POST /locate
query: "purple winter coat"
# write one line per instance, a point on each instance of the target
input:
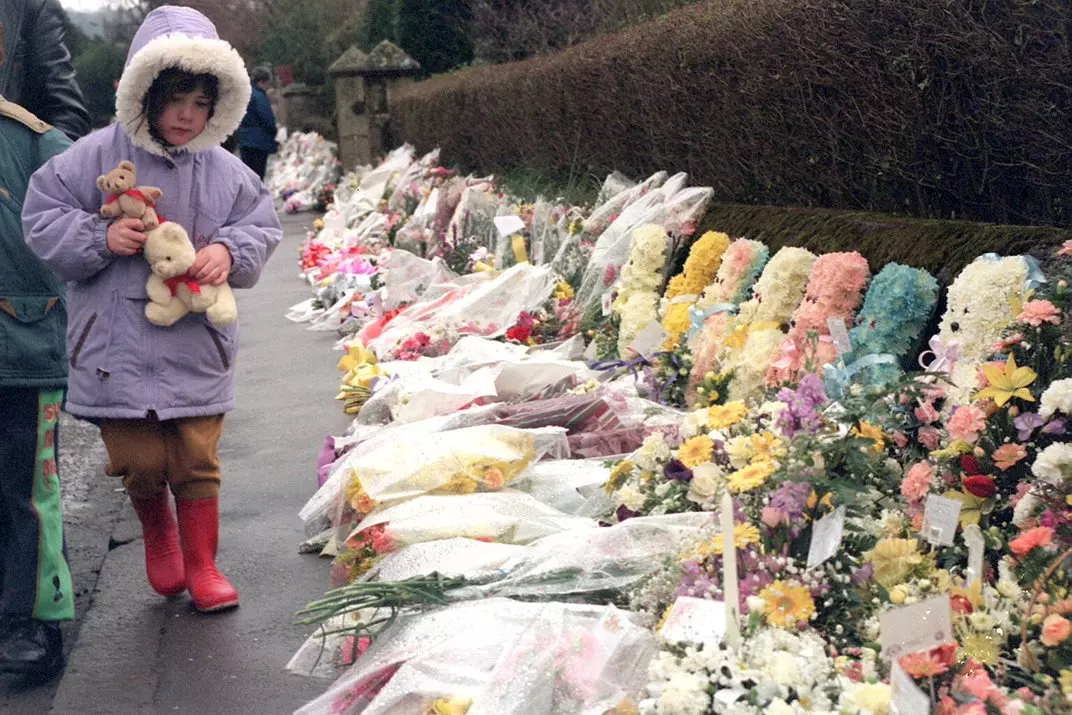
(121, 365)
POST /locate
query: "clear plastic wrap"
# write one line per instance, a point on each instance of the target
(487, 308)
(608, 558)
(418, 232)
(505, 517)
(447, 557)
(504, 656)
(407, 277)
(612, 208)
(564, 484)
(374, 185)
(487, 457)
(615, 183)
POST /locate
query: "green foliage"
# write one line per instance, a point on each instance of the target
(294, 35)
(97, 69)
(436, 33)
(379, 22)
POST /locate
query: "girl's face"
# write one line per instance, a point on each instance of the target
(184, 116)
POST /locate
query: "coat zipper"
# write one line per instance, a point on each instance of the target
(82, 340)
(219, 348)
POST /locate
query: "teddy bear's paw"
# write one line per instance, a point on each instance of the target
(163, 315)
(221, 315)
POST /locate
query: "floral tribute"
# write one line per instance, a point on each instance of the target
(712, 314)
(835, 291)
(759, 329)
(704, 262)
(638, 288)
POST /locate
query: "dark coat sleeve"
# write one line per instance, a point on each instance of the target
(264, 113)
(50, 88)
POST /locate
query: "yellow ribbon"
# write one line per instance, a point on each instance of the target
(739, 336)
(520, 254)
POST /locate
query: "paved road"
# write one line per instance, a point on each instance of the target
(138, 653)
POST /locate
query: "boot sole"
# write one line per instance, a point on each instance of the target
(218, 607)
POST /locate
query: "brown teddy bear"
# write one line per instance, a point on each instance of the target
(126, 199)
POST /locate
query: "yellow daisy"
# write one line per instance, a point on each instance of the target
(786, 604)
(696, 451)
(727, 415)
(750, 477)
(866, 430)
(1007, 383)
(618, 475)
(743, 535)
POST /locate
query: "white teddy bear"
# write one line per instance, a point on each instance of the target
(172, 293)
(981, 303)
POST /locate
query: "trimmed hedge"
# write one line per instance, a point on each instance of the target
(941, 247)
(934, 108)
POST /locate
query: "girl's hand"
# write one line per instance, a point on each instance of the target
(126, 236)
(213, 265)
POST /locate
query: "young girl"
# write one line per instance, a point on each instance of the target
(159, 394)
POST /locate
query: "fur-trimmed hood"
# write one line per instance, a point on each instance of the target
(181, 37)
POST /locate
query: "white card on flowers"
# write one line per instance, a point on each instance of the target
(918, 627)
(695, 620)
(826, 537)
(508, 225)
(649, 339)
(907, 698)
(840, 334)
(940, 519)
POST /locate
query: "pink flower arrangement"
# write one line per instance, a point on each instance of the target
(917, 483)
(966, 423)
(835, 290)
(1037, 312)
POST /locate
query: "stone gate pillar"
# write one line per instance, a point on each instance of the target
(364, 85)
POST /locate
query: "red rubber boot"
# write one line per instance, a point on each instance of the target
(199, 523)
(163, 555)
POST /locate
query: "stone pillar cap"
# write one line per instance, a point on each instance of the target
(386, 58)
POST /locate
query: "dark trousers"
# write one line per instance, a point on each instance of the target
(36, 577)
(255, 159)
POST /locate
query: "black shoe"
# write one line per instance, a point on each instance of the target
(31, 649)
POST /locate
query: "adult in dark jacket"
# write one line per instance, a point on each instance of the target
(36, 586)
(37, 72)
(257, 132)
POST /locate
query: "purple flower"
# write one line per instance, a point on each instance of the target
(863, 574)
(625, 512)
(801, 413)
(792, 498)
(1026, 424)
(1056, 426)
(677, 471)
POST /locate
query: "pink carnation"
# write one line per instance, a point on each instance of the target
(926, 413)
(1037, 312)
(1025, 543)
(966, 423)
(917, 482)
(929, 437)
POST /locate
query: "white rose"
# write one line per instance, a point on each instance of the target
(1009, 590)
(705, 483)
(784, 668)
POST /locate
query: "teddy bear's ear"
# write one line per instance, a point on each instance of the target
(152, 193)
(101, 183)
(127, 165)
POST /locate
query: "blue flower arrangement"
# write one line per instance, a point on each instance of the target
(896, 310)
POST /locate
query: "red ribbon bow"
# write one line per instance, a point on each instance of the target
(185, 279)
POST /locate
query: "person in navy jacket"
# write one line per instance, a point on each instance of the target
(256, 135)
